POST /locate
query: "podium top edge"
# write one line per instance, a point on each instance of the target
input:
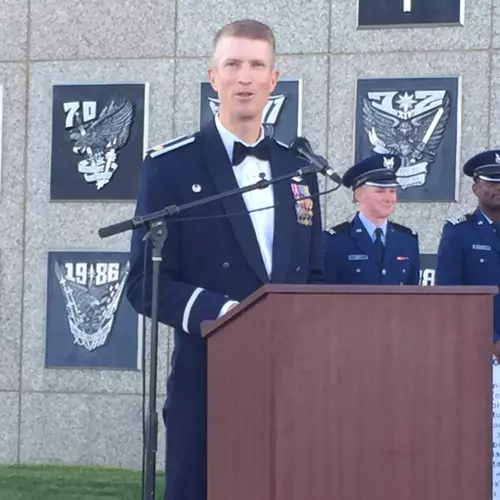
(376, 289)
(209, 327)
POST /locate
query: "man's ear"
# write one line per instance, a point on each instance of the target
(212, 78)
(274, 79)
(475, 187)
(358, 194)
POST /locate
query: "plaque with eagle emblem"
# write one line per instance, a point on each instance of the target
(99, 136)
(89, 321)
(417, 119)
(281, 118)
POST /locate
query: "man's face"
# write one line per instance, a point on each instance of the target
(378, 202)
(488, 193)
(243, 75)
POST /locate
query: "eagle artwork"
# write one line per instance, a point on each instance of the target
(100, 139)
(410, 125)
(91, 300)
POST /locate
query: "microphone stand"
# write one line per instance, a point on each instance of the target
(157, 233)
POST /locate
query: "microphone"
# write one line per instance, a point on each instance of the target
(300, 147)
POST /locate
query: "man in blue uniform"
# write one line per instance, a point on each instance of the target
(369, 249)
(469, 248)
(210, 265)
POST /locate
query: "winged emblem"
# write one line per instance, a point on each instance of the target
(410, 125)
(91, 309)
(100, 139)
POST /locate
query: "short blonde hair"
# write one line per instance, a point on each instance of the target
(247, 28)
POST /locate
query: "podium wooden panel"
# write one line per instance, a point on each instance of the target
(352, 393)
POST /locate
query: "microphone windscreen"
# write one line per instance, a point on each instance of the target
(298, 144)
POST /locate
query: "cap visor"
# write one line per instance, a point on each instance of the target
(492, 171)
(383, 183)
(489, 178)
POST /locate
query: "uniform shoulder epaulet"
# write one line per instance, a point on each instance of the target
(282, 144)
(459, 219)
(404, 229)
(340, 228)
(176, 143)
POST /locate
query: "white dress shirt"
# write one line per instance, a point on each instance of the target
(250, 171)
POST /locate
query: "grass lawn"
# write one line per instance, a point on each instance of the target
(47, 482)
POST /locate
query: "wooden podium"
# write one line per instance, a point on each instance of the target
(352, 393)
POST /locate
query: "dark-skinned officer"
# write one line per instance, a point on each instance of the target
(469, 248)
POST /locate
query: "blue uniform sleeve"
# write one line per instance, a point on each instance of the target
(181, 305)
(496, 318)
(449, 258)
(415, 276)
(331, 259)
(316, 269)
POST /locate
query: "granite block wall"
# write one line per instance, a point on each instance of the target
(94, 416)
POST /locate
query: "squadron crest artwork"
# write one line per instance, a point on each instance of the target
(98, 138)
(98, 141)
(410, 125)
(417, 120)
(91, 293)
(89, 321)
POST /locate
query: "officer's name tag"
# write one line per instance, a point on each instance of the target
(481, 247)
(358, 257)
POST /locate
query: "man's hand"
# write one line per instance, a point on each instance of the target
(496, 349)
(227, 307)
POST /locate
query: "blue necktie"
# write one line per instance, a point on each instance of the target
(379, 246)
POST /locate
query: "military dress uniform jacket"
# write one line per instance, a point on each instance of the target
(469, 254)
(350, 256)
(207, 262)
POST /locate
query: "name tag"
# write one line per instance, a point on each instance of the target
(358, 257)
(481, 247)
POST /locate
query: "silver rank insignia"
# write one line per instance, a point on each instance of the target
(457, 220)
